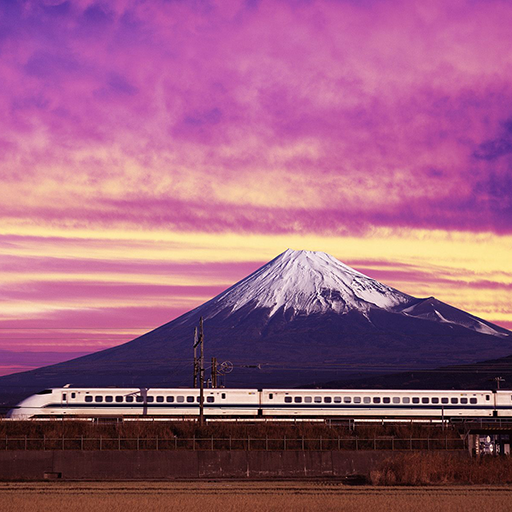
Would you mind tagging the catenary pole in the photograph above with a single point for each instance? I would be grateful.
(201, 373)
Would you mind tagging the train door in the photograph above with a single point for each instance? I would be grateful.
(64, 399)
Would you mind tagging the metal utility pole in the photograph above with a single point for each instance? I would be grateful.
(498, 380)
(196, 363)
(214, 372)
(201, 373)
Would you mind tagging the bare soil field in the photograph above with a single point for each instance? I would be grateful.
(247, 496)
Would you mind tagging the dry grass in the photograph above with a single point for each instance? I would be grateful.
(188, 429)
(442, 469)
(236, 496)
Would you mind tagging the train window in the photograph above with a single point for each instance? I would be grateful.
(455, 400)
(129, 398)
(386, 400)
(271, 396)
(223, 396)
(318, 399)
(435, 400)
(139, 398)
(288, 399)
(190, 399)
(396, 399)
(376, 399)
(298, 399)
(367, 399)
(180, 398)
(472, 400)
(357, 399)
(347, 399)
(150, 399)
(160, 399)
(327, 399)
(119, 398)
(425, 400)
(169, 399)
(308, 399)
(463, 400)
(415, 399)
(210, 399)
(487, 397)
(88, 398)
(444, 400)
(109, 398)
(98, 398)
(337, 399)
(73, 395)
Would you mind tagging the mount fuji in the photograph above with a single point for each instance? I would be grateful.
(303, 318)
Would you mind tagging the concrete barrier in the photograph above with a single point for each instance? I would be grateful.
(173, 465)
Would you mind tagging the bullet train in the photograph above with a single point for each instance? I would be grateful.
(182, 403)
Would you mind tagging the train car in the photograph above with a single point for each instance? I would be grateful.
(269, 403)
(136, 402)
(378, 403)
(503, 403)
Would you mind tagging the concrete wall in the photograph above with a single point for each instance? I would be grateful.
(170, 465)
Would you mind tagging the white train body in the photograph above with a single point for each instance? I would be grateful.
(267, 403)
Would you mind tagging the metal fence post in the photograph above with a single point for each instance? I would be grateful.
(156, 443)
(212, 443)
(303, 447)
(119, 442)
(194, 443)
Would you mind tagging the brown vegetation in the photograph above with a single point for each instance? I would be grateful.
(59, 434)
(423, 468)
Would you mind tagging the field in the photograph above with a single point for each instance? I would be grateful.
(236, 496)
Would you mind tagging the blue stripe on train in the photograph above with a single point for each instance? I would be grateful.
(273, 406)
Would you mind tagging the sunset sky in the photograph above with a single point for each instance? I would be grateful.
(154, 152)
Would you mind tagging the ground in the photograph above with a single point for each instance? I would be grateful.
(246, 496)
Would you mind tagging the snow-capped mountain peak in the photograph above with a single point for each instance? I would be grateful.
(307, 282)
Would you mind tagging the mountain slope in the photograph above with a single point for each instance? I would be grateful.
(302, 318)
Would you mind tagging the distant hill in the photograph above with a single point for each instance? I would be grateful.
(480, 375)
(302, 318)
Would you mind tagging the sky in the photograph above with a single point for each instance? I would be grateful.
(152, 153)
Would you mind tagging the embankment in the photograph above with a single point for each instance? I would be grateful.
(33, 465)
